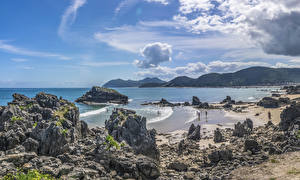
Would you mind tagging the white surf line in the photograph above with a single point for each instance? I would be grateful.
(94, 112)
(165, 113)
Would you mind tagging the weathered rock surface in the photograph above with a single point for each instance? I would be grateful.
(228, 100)
(45, 133)
(126, 125)
(292, 89)
(290, 117)
(196, 101)
(194, 132)
(242, 129)
(102, 95)
(268, 102)
(218, 137)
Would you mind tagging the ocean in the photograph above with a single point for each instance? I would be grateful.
(162, 119)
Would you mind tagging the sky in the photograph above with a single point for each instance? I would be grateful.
(81, 43)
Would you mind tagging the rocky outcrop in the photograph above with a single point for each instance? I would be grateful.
(242, 129)
(196, 101)
(194, 132)
(290, 117)
(228, 100)
(218, 137)
(45, 133)
(268, 102)
(292, 89)
(102, 95)
(126, 125)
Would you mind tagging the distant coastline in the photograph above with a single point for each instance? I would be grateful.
(249, 77)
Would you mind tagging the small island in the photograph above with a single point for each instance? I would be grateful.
(99, 95)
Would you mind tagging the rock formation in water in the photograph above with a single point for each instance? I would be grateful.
(102, 95)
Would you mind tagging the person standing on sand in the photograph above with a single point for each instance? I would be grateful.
(206, 116)
(269, 115)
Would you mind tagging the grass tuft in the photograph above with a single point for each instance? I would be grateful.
(30, 175)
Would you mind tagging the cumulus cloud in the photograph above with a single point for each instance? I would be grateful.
(125, 5)
(69, 16)
(197, 69)
(154, 54)
(272, 24)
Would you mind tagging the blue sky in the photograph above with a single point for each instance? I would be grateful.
(80, 43)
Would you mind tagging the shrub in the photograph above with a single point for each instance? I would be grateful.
(298, 134)
(16, 118)
(64, 132)
(30, 175)
(34, 125)
(111, 142)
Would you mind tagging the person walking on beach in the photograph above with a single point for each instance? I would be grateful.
(269, 115)
(198, 113)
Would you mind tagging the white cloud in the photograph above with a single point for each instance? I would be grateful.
(69, 16)
(154, 54)
(164, 2)
(197, 69)
(272, 24)
(20, 51)
(19, 59)
(125, 5)
(284, 65)
(133, 38)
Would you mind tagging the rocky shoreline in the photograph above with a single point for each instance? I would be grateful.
(44, 133)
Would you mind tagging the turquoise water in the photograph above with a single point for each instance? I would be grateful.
(96, 115)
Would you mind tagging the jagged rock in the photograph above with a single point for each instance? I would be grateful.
(218, 137)
(196, 101)
(227, 106)
(268, 102)
(251, 145)
(220, 155)
(290, 116)
(47, 100)
(125, 125)
(284, 100)
(178, 166)
(164, 102)
(31, 145)
(228, 100)
(186, 104)
(102, 95)
(194, 132)
(204, 105)
(148, 168)
(241, 129)
(292, 89)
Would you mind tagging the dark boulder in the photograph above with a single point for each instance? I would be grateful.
(220, 155)
(126, 125)
(241, 129)
(218, 137)
(268, 102)
(194, 132)
(290, 117)
(251, 145)
(178, 166)
(228, 100)
(196, 101)
(102, 95)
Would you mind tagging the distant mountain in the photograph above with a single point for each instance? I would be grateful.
(253, 76)
(131, 83)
